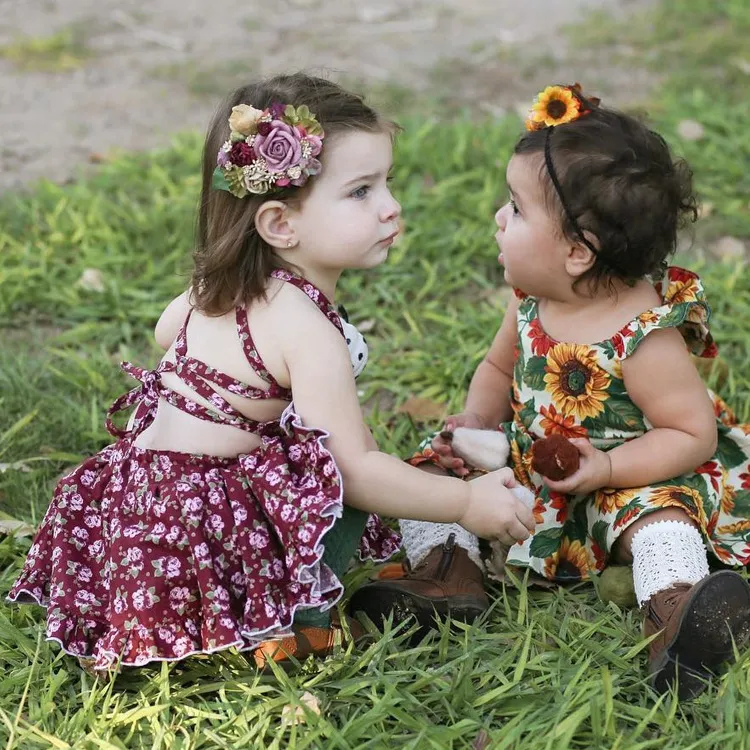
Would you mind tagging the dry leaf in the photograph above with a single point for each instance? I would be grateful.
(690, 130)
(11, 527)
(92, 279)
(481, 741)
(366, 325)
(295, 714)
(422, 409)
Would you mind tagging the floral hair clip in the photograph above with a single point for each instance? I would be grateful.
(268, 150)
(557, 105)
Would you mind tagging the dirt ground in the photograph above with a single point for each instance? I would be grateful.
(124, 74)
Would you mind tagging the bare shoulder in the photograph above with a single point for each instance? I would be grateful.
(637, 299)
(171, 320)
(291, 319)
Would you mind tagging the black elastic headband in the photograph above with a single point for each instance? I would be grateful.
(558, 190)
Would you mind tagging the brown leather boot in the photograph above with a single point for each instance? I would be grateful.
(700, 626)
(307, 640)
(446, 583)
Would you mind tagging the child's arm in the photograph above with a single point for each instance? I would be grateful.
(171, 320)
(488, 400)
(489, 391)
(662, 381)
(325, 396)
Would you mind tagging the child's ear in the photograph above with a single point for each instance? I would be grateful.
(272, 224)
(581, 257)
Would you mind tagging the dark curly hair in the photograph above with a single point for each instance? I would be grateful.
(232, 262)
(619, 182)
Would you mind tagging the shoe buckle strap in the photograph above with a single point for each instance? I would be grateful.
(449, 547)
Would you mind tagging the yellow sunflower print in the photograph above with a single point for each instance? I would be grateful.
(574, 380)
(608, 500)
(571, 561)
(680, 496)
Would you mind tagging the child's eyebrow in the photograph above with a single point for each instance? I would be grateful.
(363, 178)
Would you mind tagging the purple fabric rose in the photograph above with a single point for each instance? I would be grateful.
(280, 148)
(316, 142)
(222, 160)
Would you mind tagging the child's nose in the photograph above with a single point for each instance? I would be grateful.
(392, 210)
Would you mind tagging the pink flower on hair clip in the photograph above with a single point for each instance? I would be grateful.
(268, 150)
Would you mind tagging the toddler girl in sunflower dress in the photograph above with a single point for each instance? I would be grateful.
(596, 346)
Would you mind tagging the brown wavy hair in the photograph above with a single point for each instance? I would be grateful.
(231, 260)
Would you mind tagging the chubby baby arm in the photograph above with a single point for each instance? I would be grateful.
(662, 381)
(487, 404)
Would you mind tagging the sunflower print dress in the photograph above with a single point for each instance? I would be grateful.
(578, 391)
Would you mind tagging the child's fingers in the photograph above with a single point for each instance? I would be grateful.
(519, 531)
(565, 486)
(525, 516)
(442, 449)
(584, 446)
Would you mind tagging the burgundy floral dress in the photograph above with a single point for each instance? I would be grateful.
(150, 555)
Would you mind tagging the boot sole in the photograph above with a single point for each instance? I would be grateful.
(716, 618)
(379, 602)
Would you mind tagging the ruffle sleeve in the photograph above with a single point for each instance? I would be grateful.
(684, 307)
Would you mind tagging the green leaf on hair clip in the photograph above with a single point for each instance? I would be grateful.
(302, 116)
(230, 181)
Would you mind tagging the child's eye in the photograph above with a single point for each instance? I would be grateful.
(514, 207)
(360, 193)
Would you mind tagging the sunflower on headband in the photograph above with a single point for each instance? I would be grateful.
(557, 105)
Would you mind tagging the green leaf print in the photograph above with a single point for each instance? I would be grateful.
(599, 534)
(621, 415)
(528, 413)
(533, 375)
(633, 342)
(675, 316)
(520, 363)
(576, 528)
(609, 350)
(728, 452)
(546, 542)
(695, 482)
(742, 504)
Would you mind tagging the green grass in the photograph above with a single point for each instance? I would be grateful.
(545, 669)
(62, 51)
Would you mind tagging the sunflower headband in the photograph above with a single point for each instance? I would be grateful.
(558, 105)
(268, 150)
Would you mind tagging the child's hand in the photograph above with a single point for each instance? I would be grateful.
(441, 443)
(594, 472)
(494, 512)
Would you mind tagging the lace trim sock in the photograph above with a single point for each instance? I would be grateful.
(665, 553)
(419, 538)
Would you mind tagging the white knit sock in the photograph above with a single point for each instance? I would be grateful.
(419, 538)
(666, 553)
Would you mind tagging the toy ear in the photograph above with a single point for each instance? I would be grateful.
(485, 449)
